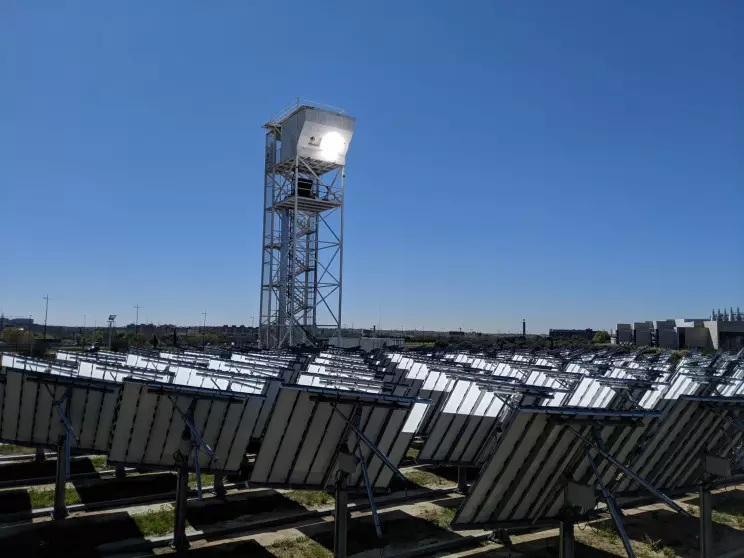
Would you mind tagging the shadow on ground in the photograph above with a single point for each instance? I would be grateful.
(129, 487)
(46, 470)
(241, 507)
(450, 473)
(731, 501)
(541, 548)
(15, 502)
(245, 548)
(680, 533)
(78, 536)
(398, 529)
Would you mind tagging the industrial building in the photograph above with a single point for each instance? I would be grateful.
(367, 344)
(723, 331)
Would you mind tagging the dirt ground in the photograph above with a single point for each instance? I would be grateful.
(416, 528)
(655, 531)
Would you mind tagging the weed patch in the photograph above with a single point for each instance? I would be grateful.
(44, 498)
(425, 478)
(155, 522)
(311, 498)
(300, 547)
(441, 517)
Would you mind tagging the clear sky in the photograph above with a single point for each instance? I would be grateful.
(574, 163)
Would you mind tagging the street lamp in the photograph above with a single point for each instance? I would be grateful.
(111, 320)
(46, 313)
(136, 323)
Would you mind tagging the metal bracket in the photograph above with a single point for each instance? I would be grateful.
(196, 441)
(370, 444)
(640, 480)
(68, 425)
(189, 424)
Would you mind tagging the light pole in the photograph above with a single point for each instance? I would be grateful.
(85, 323)
(136, 324)
(111, 320)
(204, 329)
(46, 313)
(30, 336)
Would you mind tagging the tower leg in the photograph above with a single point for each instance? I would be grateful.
(219, 485)
(120, 472)
(40, 455)
(341, 518)
(180, 542)
(706, 522)
(567, 539)
(60, 485)
(462, 480)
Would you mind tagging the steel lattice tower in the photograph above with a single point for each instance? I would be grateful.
(303, 226)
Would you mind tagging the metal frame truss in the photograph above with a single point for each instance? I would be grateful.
(302, 248)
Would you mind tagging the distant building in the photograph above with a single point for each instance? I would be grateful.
(583, 333)
(366, 344)
(724, 331)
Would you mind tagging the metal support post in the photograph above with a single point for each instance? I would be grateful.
(180, 542)
(706, 521)
(347, 464)
(611, 506)
(341, 517)
(120, 471)
(219, 485)
(567, 539)
(40, 455)
(713, 467)
(462, 480)
(60, 509)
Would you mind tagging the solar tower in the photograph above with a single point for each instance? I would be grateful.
(303, 224)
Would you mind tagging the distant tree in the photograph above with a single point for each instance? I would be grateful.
(601, 337)
(120, 343)
(15, 336)
(677, 356)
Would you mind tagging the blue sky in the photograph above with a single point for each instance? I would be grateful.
(574, 163)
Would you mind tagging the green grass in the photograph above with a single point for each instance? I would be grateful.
(425, 478)
(607, 533)
(300, 547)
(98, 462)
(652, 548)
(412, 453)
(155, 522)
(311, 498)
(10, 449)
(207, 480)
(441, 517)
(44, 498)
(732, 520)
